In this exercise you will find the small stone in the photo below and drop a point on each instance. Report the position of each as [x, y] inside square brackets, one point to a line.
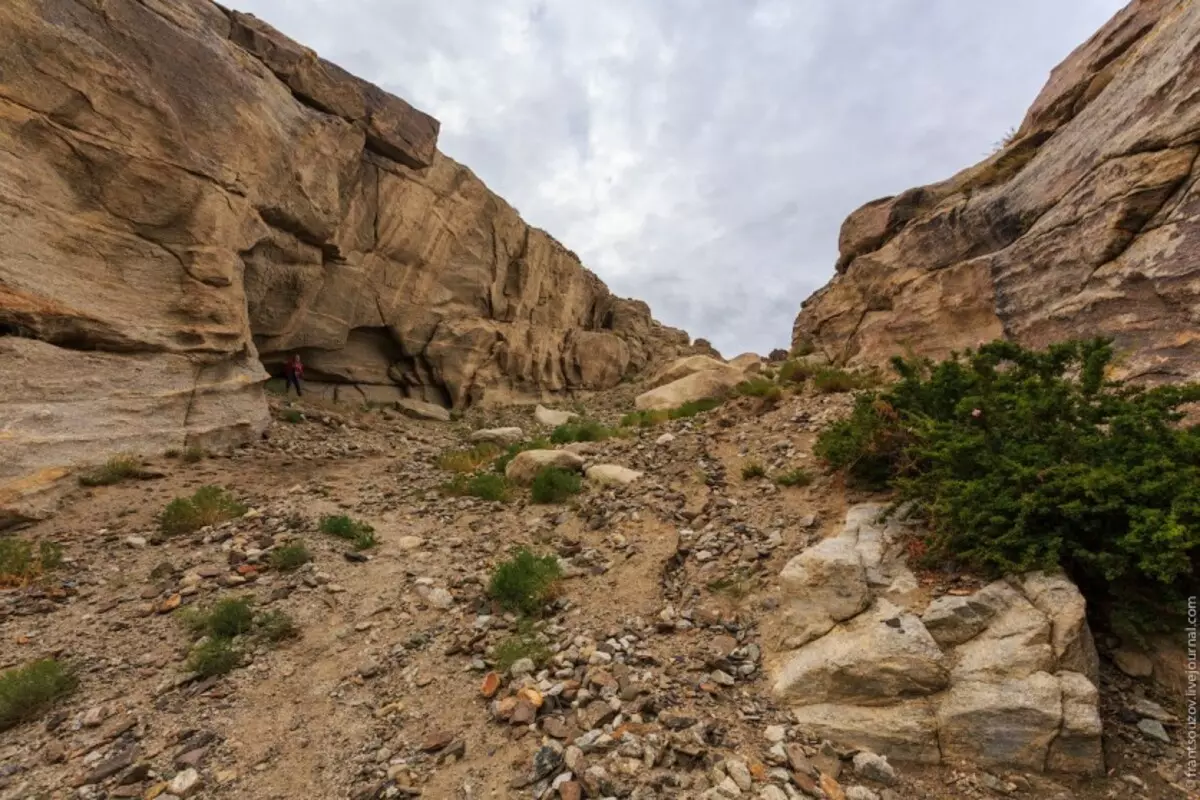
[1152, 710]
[185, 783]
[546, 761]
[170, 604]
[409, 542]
[775, 733]
[521, 667]
[860, 793]
[135, 541]
[832, 789]
[1155, 730]
[1133, 664]
[772, 793]
[873, 767]
[440, 598]
[665, 439]
[570, 790]
[740, 773]
[523, 714]
[555, 728]
[797, 759]
[436, 741]
[491, 685]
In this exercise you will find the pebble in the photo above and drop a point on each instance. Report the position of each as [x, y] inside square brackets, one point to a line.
[775, 733]
[185, 783]
[1155, 730]
[874, 768]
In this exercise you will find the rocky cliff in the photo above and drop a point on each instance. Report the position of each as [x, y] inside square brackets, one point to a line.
[186, 194]
[1086, 222]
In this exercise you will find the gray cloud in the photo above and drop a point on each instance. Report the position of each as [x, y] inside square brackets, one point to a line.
[701, 156]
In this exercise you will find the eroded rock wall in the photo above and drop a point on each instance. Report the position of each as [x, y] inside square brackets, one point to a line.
[1086, 223]
[186, 194]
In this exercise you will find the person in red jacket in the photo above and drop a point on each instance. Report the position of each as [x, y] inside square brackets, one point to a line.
[294, 371]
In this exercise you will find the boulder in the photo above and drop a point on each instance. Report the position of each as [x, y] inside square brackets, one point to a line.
[498, 436]
[907, 730]
[748, 363]
[612, 475]
[1078, 748]
[880, 655]
[1059, 599]
[683, 367]
[418, 409]
[525, 466]
[1015, 644]
[697, 386]
[1085, 224]
[1010, 723]
[822, 586]
[552, 418]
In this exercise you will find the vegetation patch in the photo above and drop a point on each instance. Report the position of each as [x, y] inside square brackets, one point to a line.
[484, 485]
[359, 533]
[194, 454]
[292, 415]
[290, 557]
[210, 505]
[275, 627]
[752, 470]
[763, 388]
[115, 470]
[214, 657]
[219, 627]
[794, 478]
[555, 485]
[1025, 460]
[648, 419]
[525, 582]
[830, 380]
[22, 563]
[467, 461]
[223, 620]
[525, 643]
[580, 431]
[26, 692]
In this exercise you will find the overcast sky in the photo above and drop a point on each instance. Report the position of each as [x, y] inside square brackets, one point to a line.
[702, 154]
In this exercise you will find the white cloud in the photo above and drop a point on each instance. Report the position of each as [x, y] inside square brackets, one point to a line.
[702, 155]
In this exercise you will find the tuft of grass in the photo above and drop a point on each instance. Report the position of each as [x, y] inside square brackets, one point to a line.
[210, 505]
[752, 470]
[829, 380]
[580, 431]
[116, 469]
[466, 461]
[648, 419]
[555, 485]
[275, 627]
[25, 692]
[292, 415]
[359, 533]
[796, 371]
[514, 450]
[223, 620]
[214, 657]
[525, 582]
[21, 563]
[290, 557]
[794, 477]
[173, 452]
[762, 388]
[194, 454]
[484, 485]
[736, 585]
[525, 643]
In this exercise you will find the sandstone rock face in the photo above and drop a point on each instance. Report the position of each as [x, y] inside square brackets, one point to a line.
[186, 194]
[988, 677]
[419, 409]
[1086, 223]
[699, 385]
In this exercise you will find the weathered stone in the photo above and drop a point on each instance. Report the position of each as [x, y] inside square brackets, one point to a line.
[697, 386]
[1014, 645]
[419, 409]
[552, 418]
[525, 467]
[822, 586]
[1062, 602]
[1001, 724]
[683, 367]
[499, 436]
[1087, 223]
[882, 653]
[954, 619]
[906, 731]
[1078, 748]
[612, 475]
[1133, 663]
[186, 783]
[874, 767]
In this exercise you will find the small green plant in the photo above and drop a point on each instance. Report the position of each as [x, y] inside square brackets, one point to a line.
[513, 450]
[26, 692]
[360, 533]
[173, 452]
[1023, 460]
[580, 431]
[115, 470]
[21, 563]
[766, 390]
[525, 582]
[736, 585]
[210, 505]
[212, 657]
[484, 485]
[275, 627]
[194, 454]
[525, 643]
[644, 419]
[829, 380]
[466, 461]
[648, 419]
[796, 371]
[223, 620]
[292, 415]
[793, 478]
[290, 557]
[555, 485]
[752, 470]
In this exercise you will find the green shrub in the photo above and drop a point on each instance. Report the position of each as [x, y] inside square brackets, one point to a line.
[25, 692]
[830, 380]
[289, 557]
[484, 485]
[466, 461]
[360, 533]
[525, 582]
[21, 563]
[644, 419]
[694, 407]
[275, 626]
[580, 431]
[1026, 460]
[796, 371]
[194, 453]
[513, 450]
[115, 470]
[210, 505]
[223, 620]
[752, 470]
[555, 485]
[214, 657]
[793, 477]
[762, 388]
[292, 415]
[525, 643]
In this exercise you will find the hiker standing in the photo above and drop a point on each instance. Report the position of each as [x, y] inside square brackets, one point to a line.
[294, 371]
